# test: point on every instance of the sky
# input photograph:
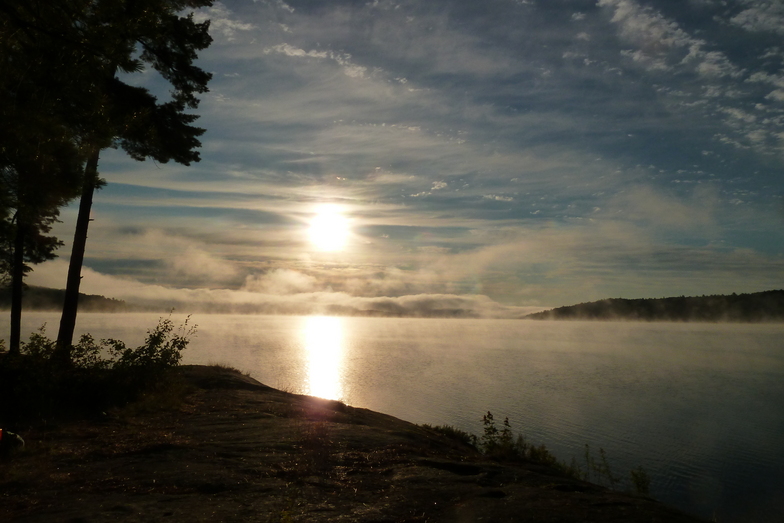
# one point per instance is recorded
(494, 157)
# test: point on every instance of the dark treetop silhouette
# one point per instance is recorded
(93, 41)
(40, 158)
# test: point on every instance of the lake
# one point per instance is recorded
(699, 406)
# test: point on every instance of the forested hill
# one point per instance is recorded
(46, 299)
(755, 307)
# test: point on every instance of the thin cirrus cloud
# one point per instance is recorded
(511, 155)
(761, 16)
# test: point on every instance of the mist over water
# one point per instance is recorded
(699, 406)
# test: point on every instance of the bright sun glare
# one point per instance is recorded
(329, 229)
(323, 339)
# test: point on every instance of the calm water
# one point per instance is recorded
(699, 406)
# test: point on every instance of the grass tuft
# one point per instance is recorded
(501, 444)
(453, 433)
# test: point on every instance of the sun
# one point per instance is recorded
(329, 229)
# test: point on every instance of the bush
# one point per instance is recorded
(36, 385)
(453, 433)
(500, 444)
(600, 469)
(640, 481)
(161, 349)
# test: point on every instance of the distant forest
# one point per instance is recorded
(765, 306)
(46, 299)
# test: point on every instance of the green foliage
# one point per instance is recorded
(640, 481)
(40, 159)
(162, 348)
(501, 444)
(35, 383)
(87, 354)
(498, 443)
(599, 470)
(40, 348)
(62, 102)
(70, 52)
(454, 433)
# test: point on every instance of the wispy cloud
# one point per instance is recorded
(222, 21)
(526, 153)
(761, 16)
(661, 44)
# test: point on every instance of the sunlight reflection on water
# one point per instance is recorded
(323, 344)
(697, 405)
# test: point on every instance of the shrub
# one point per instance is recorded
(40, 348)
(35, 384)
(454, 433)
(161, 349)
(87, 354)
(600, 469)
(640, 481)
(501, 445)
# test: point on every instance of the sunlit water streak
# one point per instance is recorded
(700, 406)
(323, 344)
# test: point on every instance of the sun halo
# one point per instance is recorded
(329, 229)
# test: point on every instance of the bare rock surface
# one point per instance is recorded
(235, 450)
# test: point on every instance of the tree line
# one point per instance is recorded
(66, 94)
(753, 307)
(45, 299)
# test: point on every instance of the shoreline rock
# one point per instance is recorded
(234, 449)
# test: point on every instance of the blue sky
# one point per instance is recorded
(498, 156)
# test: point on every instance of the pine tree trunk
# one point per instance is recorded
(17, 282)
(71, 301)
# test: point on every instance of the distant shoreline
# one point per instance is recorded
(45, 299)
(758, 307)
